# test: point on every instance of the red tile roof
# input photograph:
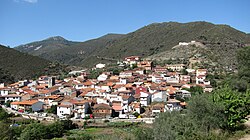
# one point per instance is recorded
(30, 102)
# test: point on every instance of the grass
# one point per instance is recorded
(109, 133)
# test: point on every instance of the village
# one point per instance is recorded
(140, 91)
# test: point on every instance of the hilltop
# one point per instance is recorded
(80, 54)
(38, 48)
(15, 65)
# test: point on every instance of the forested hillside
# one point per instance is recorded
(15, 65)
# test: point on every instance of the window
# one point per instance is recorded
(61, 111)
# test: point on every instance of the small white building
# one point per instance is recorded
(131, 60)
(126, 74)
(200, 79)
(159, 96)
(1, 85)
(80, 108)
(64, 110)
(145, 99)
(102, 77)
(176, 67)
(201, 72)
(173, 104)
(14, 105)
(4, 91)
(183, 43)
(100, 66)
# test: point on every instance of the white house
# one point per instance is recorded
(114, 97)
(4, 91)
(176, 67)
(157, 78)
(173, 104)
(183, 43)
(102, 101)
(125, 74)
(52, 98)
(145, 99)
(34, 105)
(102, 77)
(106, 88)
(183, 93)
(131, 60)
(172, 79)
(80, 108)
(1, 85)
(14, 105)
(200, 79)
(201, 72)
(206, 82)
(158, 108)
(64, 109)
(100, 66)
(136, 107)
(185, 78)
(159, 96)
(12, 97)
(123, 81)
(125, 103)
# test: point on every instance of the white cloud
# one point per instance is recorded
(29, 1)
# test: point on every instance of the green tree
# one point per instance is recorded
(53, 109)
(240, 85)
(55, 130)
(211, 78)
(243, 58)
(3, 114)
(35, 131)
(68, 124)
(144, 133)
(196, 90)
(94, 74)
(236, 106)
(184, 72)
(134, 66)
(5, 131)
(207, 113)
(8, 103)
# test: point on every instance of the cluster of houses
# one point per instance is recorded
(145, 89)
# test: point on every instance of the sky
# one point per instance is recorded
(25, 21)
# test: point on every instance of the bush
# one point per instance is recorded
(144, 134)
(3, 114)
(83, 136)
(120, 124)
(106, 121)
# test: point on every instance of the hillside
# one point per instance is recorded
(15, 65)
(81, 54)
(156, 41)
(159, 37)
(42, 47)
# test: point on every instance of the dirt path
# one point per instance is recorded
(246, 137)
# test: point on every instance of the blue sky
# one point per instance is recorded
(24, 21)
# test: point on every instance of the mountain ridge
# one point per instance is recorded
(151, 40)
(46, 45)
